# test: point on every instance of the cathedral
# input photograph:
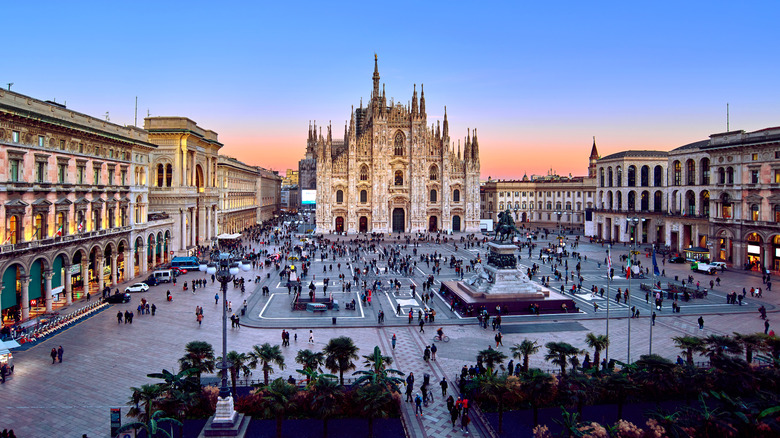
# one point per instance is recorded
(394, 173)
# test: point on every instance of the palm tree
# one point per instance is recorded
(689, 345)
(597, 343)
(144, 400)
(498, 390)
(311, 363)
(339, 354)
(525, 349)
(620, 386)
(327, 399)
(491, 358)
(716, 346)
(266, 354)
(537, 388)
(751, 342)
(152, 425)
(180, 391)
(378, 373)
(279, 399)
(558, 354)
(239, 364)
(199, 355)
(375, 402)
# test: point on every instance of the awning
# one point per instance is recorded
(9, 344)
(226, 236)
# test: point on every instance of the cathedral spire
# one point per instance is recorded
(446, 127)
(414, 101)
(467, 147)
(459, 149)
(376, 77)
(594, 157)
(594, 153)
(384, 101)
(422, 100)
(475, 147)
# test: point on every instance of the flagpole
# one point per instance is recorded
(609, 277)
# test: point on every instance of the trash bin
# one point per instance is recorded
(334, 320)
(268, 275)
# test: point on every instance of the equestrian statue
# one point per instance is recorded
(506, 227)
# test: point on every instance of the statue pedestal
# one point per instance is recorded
(226, 421)
(507, 280)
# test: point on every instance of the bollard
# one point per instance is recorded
(334, 320)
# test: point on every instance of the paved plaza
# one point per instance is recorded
(103, 359)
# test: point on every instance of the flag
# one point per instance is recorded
(59, 232)
(628, 267)
(656, 272)
(10, 235)
(81, 226)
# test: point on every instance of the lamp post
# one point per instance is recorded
(225, 267)
(634, 221)
(559, 213)
(609, 278)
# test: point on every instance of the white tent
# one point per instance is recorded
(226, 236)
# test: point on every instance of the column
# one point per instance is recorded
(99, 262)
(85, 276)
(182, 232)
(214, 222)
(68, 292)
(47, 289)
(129, 264)
(144, 263)
(25, 304)
(113, 269)
(192, 213)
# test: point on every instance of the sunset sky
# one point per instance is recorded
(537, 79)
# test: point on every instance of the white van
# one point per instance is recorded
(164, 276)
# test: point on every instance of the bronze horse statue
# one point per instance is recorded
(505, 228)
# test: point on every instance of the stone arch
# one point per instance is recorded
(399, 143)
(200, 181)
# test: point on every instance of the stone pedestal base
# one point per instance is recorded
(226, 421)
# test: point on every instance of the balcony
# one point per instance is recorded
(51, 242)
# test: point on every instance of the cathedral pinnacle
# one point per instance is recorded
(422, 100)
(414, 100)
(376, 77)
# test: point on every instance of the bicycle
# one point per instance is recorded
(444, 338)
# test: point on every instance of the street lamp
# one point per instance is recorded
(225, 267)
(559, 213)
(634, 221)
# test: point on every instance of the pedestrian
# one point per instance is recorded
(464, 422)
(653, 318)
(701, 323)
(3, 372)
(417, 404)
(53, 355)
(766, 326)
(154, 309)
(498, 339)
(311, 336)
(59, 353)
(200, 319)
(119, 317)
(427, 353)
(450, 404)
(393, 341)
(434, 349)
(422, 324)
(409, 389)
(216, 298)
(453, 414)
(444, 385)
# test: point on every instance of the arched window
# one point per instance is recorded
(364, 173)
(777, 213)
(726, 207)
(434, 173)
(721, 175)
(339, 196)
(399, 178)
(399, 144)
(456, 195)
(631, 200)
(549, 205)
(13, 230)
(168, 175)
(690, 173)
(632, 176)
(705, 203)
(62, 229)
(363, 196)
(160, 175)
(433, 196)
(609, 176)
(705, 171)
(39, 226)
(644, 202)
(730, 175)
(619, 200)
(601, 177)
(644, 176)
(610, 202)
(658, 176)
(754, 212)
(677, 175)
(658, 201)
(619, 176)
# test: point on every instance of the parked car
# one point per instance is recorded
(677, 259)
(138, 287)
(151, 281)
(178, 271)
(720, 265)
(118, 298)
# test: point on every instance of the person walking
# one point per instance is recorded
(499, 337)
(59, 353)
(216, 298)
(199, 317)
(119, 317)
(444, 385)
(53, 355)
(701, 323)
(453, 415)
(464, 422)
(422, 325)
(418, 404)
(409, 390)
(766, 326)
(154, 309)
(434, 349)
(393, 341)
(311, 336)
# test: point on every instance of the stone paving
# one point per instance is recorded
(104, 359)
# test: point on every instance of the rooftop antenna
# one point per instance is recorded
(148, 114)
(107, 118)
(727, 117)
(9, 85)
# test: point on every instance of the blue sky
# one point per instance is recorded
(537, 79)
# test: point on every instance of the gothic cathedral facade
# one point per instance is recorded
(393, 173)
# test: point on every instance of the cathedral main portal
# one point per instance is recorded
(398, 220)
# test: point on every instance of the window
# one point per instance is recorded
(13, 230)
(777, 176)
(168, 175)
(363, 196)
(62, 145)
(609, 177)
(38, 227)
(777, 155)
(80, 175)
(399, 144)
(96, 175)
(754, 176)
(658, 176)
(632, 176)
(62, 172)
(456, 195)
(677, 177)
(730, 175)
(434, 173)
(619, 177)
(40, 171)
(364, 173)
(754, 157)
(434, 196)
(14, 165)
(754, 212)
(705, 171)
(777, 213)
(81, 148)
(61, 228)
(110, 177)
(644, 176)
(41, 141)
(339, 196)
(690, 173)
(601, 177)
(160, 175)
(124, 177)
(15, 136)
(399, 178)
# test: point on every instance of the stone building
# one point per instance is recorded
(74, 202)
(184, 183)
(238, 206)
(393, 172)
(307, 167)
(268, 194)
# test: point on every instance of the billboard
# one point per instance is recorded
(308, 197)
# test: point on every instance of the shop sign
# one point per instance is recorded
(75, 268)
(754, 249)
(116, 422)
